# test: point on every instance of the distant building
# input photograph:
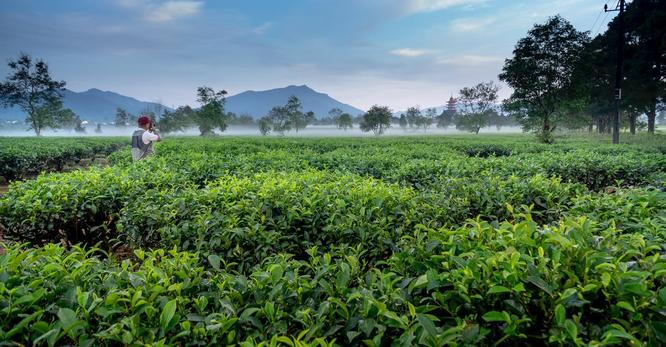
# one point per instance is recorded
(448, 114)
(451, 105)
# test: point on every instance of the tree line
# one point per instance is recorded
(561, 77)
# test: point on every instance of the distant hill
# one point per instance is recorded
(93, 105)
(100, 106)
(258, 103)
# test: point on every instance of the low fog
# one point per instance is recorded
(310, 131)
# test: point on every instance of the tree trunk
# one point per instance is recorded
(546, 125)
(37, 127)
(651, 115)
(607, 124)
(589, 128)
(632, 124)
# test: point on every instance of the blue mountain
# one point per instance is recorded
(92, 105)
(258, 103)
(95, 105)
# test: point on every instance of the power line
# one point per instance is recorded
(603, 21)
(600, 25)
(596, 19)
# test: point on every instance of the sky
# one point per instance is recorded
(398, 53)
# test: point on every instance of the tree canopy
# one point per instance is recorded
(478, 106)
(30, 87)
(541, 74)
(377, 119)
(211, 115)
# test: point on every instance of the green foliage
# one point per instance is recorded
(342, 120)
(478, 105)
(31, 88)
(177, 120)
(280, 119)
(377, 120)
(348, 241)
(211, 115)
(297, 118)
(265, 126)
(541, 74)
(21, 158)
(345, 121)
(402, 121)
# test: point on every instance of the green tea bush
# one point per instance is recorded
(21, 158)
(355, 241)
(514, 283)
(248, 219)
(77, 207)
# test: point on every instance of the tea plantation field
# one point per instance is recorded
(489, 240)
(21, 158)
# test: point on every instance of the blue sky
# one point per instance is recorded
(364, 52)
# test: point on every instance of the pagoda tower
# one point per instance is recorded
(451, 105)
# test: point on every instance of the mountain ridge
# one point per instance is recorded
(96, 105)
(259, 103)
(92, 105)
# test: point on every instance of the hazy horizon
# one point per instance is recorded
(239, 130)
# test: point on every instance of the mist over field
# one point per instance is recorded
(310, 131)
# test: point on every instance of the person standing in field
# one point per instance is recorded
(143, 138)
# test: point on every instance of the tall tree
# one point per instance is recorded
(345, 121)
(334, 114)
(309, 118)
(265, 125)
(280, 119)
(595, 79)
(122, 117)
(427, 118)
(445, 119)
(645, 56)
(402, 122)
(377, 120)
(68, 119)
(478, 105)
(413, 114)
(211, 115)
(296, 116)
(176, 120)
(541, 73)
(31, 87)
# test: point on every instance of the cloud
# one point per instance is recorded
(472, 24)
(417, 6)
(164, 11)
(470, 60)
(410, 52)
(260, 30)
(171, 10)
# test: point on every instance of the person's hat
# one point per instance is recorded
(143, 120)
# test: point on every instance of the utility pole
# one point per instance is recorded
(618, 70)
